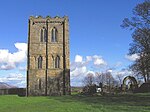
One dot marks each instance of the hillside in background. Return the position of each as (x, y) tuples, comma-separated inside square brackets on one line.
[(6, 86)]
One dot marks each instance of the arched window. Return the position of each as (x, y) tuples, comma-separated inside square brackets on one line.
[(54, 35), (57, 62), (43, 35), (53, 59), (40, 62), (40, 85)]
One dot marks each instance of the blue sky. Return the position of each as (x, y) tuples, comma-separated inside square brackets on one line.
[(94, 31)]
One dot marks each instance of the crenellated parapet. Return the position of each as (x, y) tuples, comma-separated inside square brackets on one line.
[(48, 17)]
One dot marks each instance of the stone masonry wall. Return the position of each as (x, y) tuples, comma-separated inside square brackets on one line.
[(48, 80)]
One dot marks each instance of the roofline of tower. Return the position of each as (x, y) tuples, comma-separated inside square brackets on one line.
[(48, 17)]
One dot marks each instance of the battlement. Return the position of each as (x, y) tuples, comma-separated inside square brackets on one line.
[(48, 17)]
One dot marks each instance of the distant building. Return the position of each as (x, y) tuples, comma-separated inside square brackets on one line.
[(48, 71)]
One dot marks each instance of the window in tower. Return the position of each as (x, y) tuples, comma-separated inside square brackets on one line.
[(53, 60), (54, 35), (40, 62), (43, 35), (57, 62)]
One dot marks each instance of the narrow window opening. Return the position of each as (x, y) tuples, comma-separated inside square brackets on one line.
[(40, 85), (57, 62), (43, 37), (40, 62), (54, 35)]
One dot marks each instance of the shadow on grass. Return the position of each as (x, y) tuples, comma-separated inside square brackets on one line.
[(142, 100)]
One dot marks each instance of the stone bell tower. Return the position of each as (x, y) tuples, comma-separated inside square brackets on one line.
[(48, 65)]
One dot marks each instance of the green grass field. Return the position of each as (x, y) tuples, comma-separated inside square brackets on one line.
[(76, 103)]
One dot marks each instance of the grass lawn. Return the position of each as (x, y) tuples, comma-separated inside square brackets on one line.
[(76, 103)]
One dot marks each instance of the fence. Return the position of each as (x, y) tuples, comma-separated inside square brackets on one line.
[(13, 91)]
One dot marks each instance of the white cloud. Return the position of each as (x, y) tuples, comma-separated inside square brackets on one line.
[(123, 73), (98, 61), (77, 63), (80, 67), (15, 79), (21, 46), (132, 57), (11, 60), (89, 58), (7, 66), (110, 70), (79, 71), (21, 84), (22, 68), (78, 58)]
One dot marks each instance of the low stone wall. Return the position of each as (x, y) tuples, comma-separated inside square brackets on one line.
[(13, 91)]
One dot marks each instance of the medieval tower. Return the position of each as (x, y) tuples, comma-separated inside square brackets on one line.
[(48, 66)]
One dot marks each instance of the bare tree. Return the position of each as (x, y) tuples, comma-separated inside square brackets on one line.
[(109, 81), (140, 24), (89, 79), (99, 78), (106, 79), (90, 86), (120, 78)]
